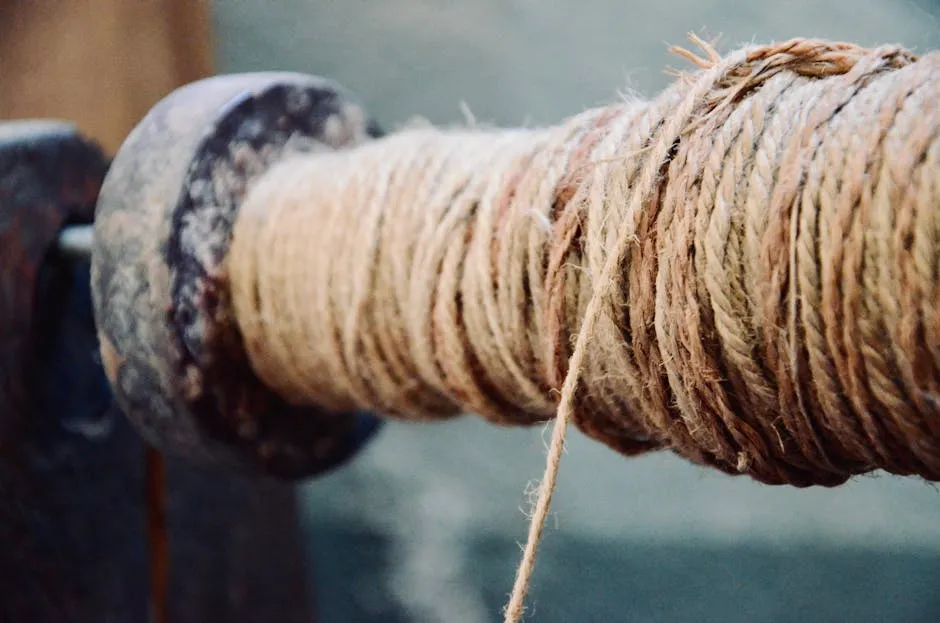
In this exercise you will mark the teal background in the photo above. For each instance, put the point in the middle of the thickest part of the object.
(425, 525)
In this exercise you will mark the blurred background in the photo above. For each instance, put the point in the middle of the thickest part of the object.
(426, 523)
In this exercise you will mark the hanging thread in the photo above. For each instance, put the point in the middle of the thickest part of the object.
(743, 271)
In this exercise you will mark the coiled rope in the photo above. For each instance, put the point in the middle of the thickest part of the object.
(743, 270)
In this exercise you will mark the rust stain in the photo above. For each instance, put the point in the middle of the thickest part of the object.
(111, 360)
(157, 538)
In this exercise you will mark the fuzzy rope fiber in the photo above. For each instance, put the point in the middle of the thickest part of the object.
(743, 271)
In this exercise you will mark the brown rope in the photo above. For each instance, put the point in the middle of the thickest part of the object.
(743, 270)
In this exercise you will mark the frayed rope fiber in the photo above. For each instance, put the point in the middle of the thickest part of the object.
(743, 270)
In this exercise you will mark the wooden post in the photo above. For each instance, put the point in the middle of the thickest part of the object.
(99, 63)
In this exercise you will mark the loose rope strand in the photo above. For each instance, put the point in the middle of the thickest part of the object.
(516, 606)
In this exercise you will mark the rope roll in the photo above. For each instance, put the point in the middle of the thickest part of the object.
(742, 270)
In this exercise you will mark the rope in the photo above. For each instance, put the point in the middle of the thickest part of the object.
(743, 271)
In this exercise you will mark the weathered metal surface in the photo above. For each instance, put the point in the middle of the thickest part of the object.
(170, 342)
(70, 468)
(73, 507)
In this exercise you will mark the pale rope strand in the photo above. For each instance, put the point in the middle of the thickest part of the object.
(694, 272)
(516, 606)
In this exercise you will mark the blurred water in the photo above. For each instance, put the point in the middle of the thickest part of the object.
(424, 525)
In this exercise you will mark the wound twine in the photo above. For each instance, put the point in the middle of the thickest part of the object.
(743, 270)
